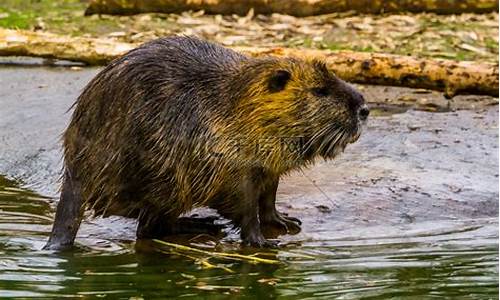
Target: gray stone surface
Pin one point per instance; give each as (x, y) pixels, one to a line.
(413, 167)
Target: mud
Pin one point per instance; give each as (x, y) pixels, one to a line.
(410, 167)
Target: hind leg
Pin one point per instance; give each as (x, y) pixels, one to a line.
(68, 215)
(273, 222)
(159, 227)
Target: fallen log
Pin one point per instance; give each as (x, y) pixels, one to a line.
(448, 76)
(451, 77)
(298, 8)
(41, 44)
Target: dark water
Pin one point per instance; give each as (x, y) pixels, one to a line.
(450, 259)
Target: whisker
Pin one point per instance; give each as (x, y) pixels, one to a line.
(335, 140)
(327, 141)
(316, 136)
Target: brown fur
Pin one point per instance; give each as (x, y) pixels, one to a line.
(180, 122)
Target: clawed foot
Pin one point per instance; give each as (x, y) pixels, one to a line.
(279, 224)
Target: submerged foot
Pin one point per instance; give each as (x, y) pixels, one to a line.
(184, 225)
(257, 240)
(195, 225)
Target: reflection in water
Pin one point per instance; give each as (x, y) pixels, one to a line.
(448, 259)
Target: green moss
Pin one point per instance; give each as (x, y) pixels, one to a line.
(23, 14)
(59, 16)
(491, 44)
(12, 19)
(364, 49)
(308, 42)
(461, 55)
(336, 46)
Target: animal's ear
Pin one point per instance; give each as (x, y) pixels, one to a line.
(278, 80)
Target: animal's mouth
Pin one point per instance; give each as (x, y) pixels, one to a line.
(356, 133)
(331, 141)
(355, 137)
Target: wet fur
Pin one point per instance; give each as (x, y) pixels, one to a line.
(180, 122)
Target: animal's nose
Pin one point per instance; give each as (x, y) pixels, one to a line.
(363, 112)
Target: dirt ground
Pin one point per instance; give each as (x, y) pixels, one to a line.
(460, 37)
(421, 157)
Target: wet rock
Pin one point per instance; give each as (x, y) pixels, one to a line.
(408, 166)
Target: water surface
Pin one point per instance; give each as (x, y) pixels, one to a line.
(447, 259)
(410, 211)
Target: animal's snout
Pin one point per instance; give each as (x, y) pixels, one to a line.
(363, 112)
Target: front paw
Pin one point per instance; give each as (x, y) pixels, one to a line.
(292, 219)
(280, 224)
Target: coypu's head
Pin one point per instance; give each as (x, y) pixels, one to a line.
(303, 98)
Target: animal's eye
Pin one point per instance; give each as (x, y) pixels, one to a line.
(321, 91)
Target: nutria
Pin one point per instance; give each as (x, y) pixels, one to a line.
(180, 122)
